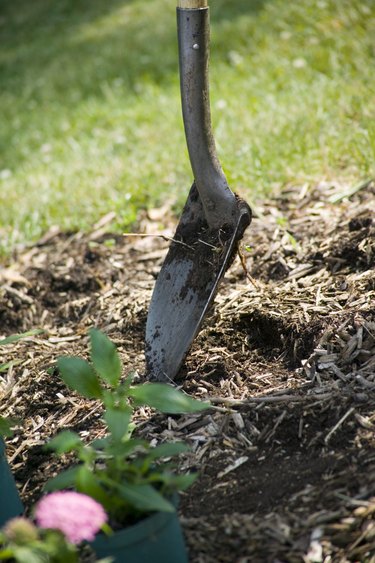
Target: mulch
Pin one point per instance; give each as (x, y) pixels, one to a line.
(285, 456)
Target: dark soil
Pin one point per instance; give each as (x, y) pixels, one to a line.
(286, 456)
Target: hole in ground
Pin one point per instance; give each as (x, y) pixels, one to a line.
(275, 338)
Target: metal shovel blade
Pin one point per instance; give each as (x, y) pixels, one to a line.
(186, 285)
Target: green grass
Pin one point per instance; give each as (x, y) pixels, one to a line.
(90, 112)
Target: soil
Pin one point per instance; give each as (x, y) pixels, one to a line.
(285, 456)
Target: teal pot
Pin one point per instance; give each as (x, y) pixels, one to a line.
(156, 539)
(10, 504)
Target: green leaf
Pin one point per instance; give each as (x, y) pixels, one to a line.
(145, 498)
(64, 442)
(86, 482)
(166, 398)
(336, 198)
(117, 420)
(169, 482)
(79, 376)
(128, 381)
(6, 425)
(183, 482)
(87, 454)
(16, 337)
(167, 450)
(6, 553)
(23, 554)
(123, 388)
(124, 449)
(63, 480)
(100, 443)
(6, 366)
(105, 357)
(178, 482)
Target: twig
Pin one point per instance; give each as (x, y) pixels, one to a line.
(208, 244)
(22, 296)
(276, 425)
(339, 423)
(269, 399)
(233, 466)
(245, 269)
(164, 237)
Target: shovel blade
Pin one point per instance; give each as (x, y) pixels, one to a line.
(186, 285)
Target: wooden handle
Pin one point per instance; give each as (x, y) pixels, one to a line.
(192, 4)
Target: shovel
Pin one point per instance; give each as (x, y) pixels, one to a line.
(213, 219)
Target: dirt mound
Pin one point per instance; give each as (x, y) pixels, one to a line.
(287, 357)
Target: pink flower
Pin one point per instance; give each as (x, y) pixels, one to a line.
(77, 516)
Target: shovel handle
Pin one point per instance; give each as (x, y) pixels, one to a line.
(192, 4)
(219, 202)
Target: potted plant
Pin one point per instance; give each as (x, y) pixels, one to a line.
(62, 521)
(10, 504)
(135, 482)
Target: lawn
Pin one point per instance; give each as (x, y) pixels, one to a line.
(90, 110)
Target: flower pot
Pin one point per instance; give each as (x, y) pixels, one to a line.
(10, 505)
(156, 539)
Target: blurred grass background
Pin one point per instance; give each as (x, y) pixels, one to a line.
(90, 116)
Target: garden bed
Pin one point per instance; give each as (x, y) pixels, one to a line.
(287, 356)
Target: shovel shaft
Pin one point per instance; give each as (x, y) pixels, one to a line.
(218, 200)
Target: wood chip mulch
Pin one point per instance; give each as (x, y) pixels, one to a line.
(286, 456)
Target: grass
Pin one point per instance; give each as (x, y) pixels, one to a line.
(90, 111)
